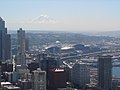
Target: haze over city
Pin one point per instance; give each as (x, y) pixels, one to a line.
(60, 45)
(61, 15)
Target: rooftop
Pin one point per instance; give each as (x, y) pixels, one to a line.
(12, 87)
(5, 83)
(57, 70)
(66, 48)
(1, 19)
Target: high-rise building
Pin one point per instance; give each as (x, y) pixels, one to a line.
(57, 79)
(80, 75)
(33, 66)
(5, 42)
(25, 84)
(0, 77)
(2, 24)
(104, 72)
(27, 44)
(49, 63)
(21, 48)
(38, 80)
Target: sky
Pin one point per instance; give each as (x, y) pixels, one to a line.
(61, 15)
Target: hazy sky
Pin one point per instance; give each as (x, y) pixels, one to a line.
(71, 15)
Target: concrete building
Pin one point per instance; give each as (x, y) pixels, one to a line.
(25, 84)
(5, 42)
(21, 48)
(105, 72)
(38, 80)
(9, 86)
(57, 79)
(80, 75)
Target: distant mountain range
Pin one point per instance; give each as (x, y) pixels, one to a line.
(43, 38)
(115, 34)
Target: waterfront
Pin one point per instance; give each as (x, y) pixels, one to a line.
(116, 71)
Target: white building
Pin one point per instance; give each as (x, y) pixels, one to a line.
(21, 47)
(39, 80)
(80, 75)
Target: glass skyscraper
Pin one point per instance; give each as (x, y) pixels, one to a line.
(21, 47)
(5, 42)
(105, 72)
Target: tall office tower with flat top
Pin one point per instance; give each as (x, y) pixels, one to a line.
(21, 47)
(80, 74)
(104, 72)
(5, 42)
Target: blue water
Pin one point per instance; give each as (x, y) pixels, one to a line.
(116, 71)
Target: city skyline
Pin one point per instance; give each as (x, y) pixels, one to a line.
(58, 61)
(61, 15)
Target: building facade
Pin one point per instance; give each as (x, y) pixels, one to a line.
(38, 80)
(5, 42)
(105, 72)
(80, 75)
(21, 47)
(27, 44)
(57, 79)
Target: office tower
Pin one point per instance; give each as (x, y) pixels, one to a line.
(49, 63)
(0, 77)
(38, 80)
(2, 24)
(104, 72)
(7, 46)
(6, 67)
(80, 75)
(5, 42)
(21, 48)
(27, 44)
(57, 79)
(33, 66)
(40, 57)
(25, 84)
